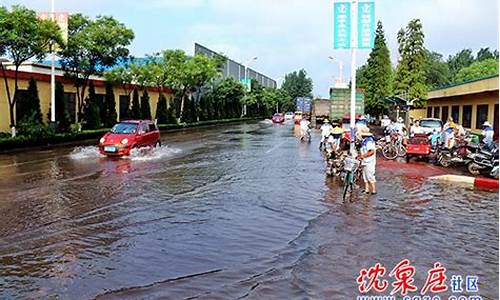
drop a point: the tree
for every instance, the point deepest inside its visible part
(110, 106)
(161, 110)
(24, 36)
(135, 112)
(62, 114)
(410, 73)
(362, 76)
(485, 53)
(226, 98)
(145, 107)
(437, 72)
(31, 104)
(379, 75)
(92, 114)
(297, 84)
(458, 61)
(93, 46)
(478, 69)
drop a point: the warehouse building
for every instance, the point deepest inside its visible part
(470, 104)
(236, 70)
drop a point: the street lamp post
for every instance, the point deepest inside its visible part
(246, 78)
(341, 67)
(52, 74)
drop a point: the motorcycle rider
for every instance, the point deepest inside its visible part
(325, 132)
(487, 134)
(304, 128)
(416, 128)
(368, 161)
(335, 137)
(360, 125)
(449, 136)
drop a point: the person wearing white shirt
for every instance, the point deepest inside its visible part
(368, 159)
(325, 132)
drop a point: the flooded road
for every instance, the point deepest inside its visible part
(238, 211)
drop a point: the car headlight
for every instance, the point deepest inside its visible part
(125, 141)
(102, 140)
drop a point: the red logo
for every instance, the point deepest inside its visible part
(435, 281)
(403, 274)
(373, 275)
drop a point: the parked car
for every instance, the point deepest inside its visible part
(289, 116)
(127, 135)
(278, 118)
(430, 124)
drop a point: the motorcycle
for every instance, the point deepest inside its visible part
(334, 163)
(484, 161)
(457, 155)
(306, 136)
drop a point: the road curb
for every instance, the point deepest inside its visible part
(468, 181)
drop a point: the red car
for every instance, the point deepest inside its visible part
(278, 118)
(418, 146)
(126, 135)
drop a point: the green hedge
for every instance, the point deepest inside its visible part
(8, 143)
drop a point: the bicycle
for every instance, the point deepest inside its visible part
(352, 174)
(394, 148)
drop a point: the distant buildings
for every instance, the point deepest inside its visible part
(237, 70)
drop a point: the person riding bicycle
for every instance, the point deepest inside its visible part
(368, 160)
(325, 132)
(399, 126)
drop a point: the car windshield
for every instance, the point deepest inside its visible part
(430, 123)
(277, 115)
(124, 128)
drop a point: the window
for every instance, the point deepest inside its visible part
(467, 117)
(481, 115)
(436, 112)
(429, 112)
(144, 127)
(152, 127)
(455, 113)
(444, 114)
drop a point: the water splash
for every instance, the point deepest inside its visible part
(145, 154)
(85, 152)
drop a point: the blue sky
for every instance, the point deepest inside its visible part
(285, 35)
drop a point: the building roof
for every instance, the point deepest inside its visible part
(480, 85)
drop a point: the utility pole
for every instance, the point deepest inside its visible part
(354, 34)
(52, 73)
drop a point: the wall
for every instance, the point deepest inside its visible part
(490, 98)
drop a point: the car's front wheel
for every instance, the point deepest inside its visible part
(158, 144)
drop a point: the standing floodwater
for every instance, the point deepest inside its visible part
(227, 212)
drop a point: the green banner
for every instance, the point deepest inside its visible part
(366, 25)
(341, 25)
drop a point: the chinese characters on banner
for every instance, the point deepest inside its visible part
(372, 279)
(342, 25)
(61, 18)
(366, 25)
